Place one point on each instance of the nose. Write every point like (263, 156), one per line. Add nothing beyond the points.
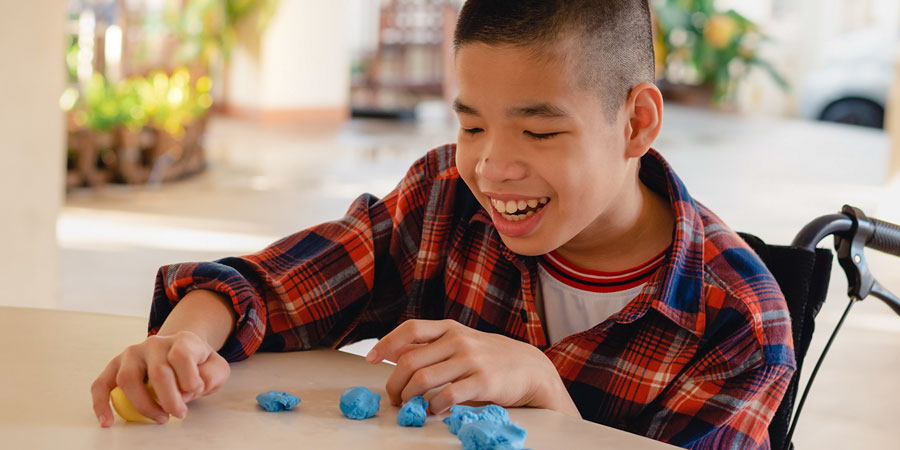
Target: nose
(500, 161)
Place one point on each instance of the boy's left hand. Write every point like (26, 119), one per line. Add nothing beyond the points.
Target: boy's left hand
(479, 367)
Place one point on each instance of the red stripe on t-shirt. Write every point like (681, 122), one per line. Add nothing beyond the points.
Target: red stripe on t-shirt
(595, 280)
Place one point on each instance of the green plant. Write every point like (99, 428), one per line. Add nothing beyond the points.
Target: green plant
(101, 108)
(166, 102)
(132, 113)
(173, 101)
(207, 29)
(698, 44)
(201, 99)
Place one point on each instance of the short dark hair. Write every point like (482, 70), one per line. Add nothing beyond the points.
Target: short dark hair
(614, 38)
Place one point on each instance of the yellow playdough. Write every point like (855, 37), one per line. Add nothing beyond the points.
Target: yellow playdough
(124, 407)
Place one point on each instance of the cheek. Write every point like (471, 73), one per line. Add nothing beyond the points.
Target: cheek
(583, 183)
(466, 161)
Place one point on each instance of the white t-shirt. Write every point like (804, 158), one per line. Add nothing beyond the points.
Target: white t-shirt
(577, 299)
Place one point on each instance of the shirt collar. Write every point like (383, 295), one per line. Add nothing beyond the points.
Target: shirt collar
(676, 291)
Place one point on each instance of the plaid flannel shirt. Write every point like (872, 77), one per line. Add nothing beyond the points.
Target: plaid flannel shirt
(701, 358)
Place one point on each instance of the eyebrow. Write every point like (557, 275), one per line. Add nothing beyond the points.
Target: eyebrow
(543, 109)
(463, 108)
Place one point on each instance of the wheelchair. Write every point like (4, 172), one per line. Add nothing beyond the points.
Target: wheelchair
(803, 270)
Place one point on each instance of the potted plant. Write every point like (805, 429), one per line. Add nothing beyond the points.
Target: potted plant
(198, 105)
(92, 118)
(176, 109)
(163, 100)
(132, 120)
(703, 52)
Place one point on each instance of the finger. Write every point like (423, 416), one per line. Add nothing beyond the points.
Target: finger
(402, 351)
(411, 362)
(409, 332)
(100, 388)
(162, 377)
(433, 376)
(407, 348)
(214, 372)
(184, 358)
(459, 391)
(131, 379)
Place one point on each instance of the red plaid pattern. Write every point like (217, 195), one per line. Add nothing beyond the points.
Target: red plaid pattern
(701, 358)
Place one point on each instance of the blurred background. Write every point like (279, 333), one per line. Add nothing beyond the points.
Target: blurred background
(140, 133)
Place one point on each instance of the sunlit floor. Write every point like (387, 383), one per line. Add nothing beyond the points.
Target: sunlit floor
(765, 176)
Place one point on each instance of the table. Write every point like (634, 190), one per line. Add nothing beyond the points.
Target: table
(49, 359)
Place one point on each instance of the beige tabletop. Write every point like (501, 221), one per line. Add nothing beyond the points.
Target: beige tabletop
(49, 359)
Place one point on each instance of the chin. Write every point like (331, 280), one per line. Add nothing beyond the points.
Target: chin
(526, 246)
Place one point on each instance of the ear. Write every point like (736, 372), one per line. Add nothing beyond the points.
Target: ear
(644, 110)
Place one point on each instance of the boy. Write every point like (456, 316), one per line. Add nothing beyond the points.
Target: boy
(550, 259)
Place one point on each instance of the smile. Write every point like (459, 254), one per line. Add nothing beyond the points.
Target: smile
(516, 210)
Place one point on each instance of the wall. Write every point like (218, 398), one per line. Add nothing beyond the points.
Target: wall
(302, 71)
(32, 77)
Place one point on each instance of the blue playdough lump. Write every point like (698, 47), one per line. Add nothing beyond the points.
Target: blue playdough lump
(359, 403)
(274, 401)
(462, 414)
(412, 413)
(491, 436)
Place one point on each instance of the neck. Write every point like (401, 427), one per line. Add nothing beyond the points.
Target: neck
(632, 237)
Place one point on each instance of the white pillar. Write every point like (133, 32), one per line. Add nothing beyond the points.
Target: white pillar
(892, 122)
(302, 71)
(32, 77)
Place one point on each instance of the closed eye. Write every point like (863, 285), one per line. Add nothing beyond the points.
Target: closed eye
(540, 136)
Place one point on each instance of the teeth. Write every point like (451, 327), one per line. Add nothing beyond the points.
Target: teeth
(508, 208)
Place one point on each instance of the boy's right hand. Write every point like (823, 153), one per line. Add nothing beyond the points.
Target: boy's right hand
(181, 368)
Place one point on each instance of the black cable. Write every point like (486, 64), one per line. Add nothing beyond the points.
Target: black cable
(787, 441)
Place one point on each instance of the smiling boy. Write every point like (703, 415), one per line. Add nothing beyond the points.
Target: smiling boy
(550, 258)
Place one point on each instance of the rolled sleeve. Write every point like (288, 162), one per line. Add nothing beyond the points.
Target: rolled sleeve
(174, 281)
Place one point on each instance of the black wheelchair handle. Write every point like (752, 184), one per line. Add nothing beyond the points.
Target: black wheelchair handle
(853, 231)
(820, 228)
(885, 237)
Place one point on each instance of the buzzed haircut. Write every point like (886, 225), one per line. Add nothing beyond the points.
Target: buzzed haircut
(613, 38)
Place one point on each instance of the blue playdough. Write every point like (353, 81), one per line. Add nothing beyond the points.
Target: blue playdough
(461, 415)
(412, 413)
(491, 436)
(274, 401)
(359, 403)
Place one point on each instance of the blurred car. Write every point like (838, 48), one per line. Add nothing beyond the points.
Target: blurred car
(852, 82)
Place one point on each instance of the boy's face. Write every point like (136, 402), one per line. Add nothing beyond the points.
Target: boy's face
(530, 138)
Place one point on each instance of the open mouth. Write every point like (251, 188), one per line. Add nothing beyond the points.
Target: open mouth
(516, 210)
